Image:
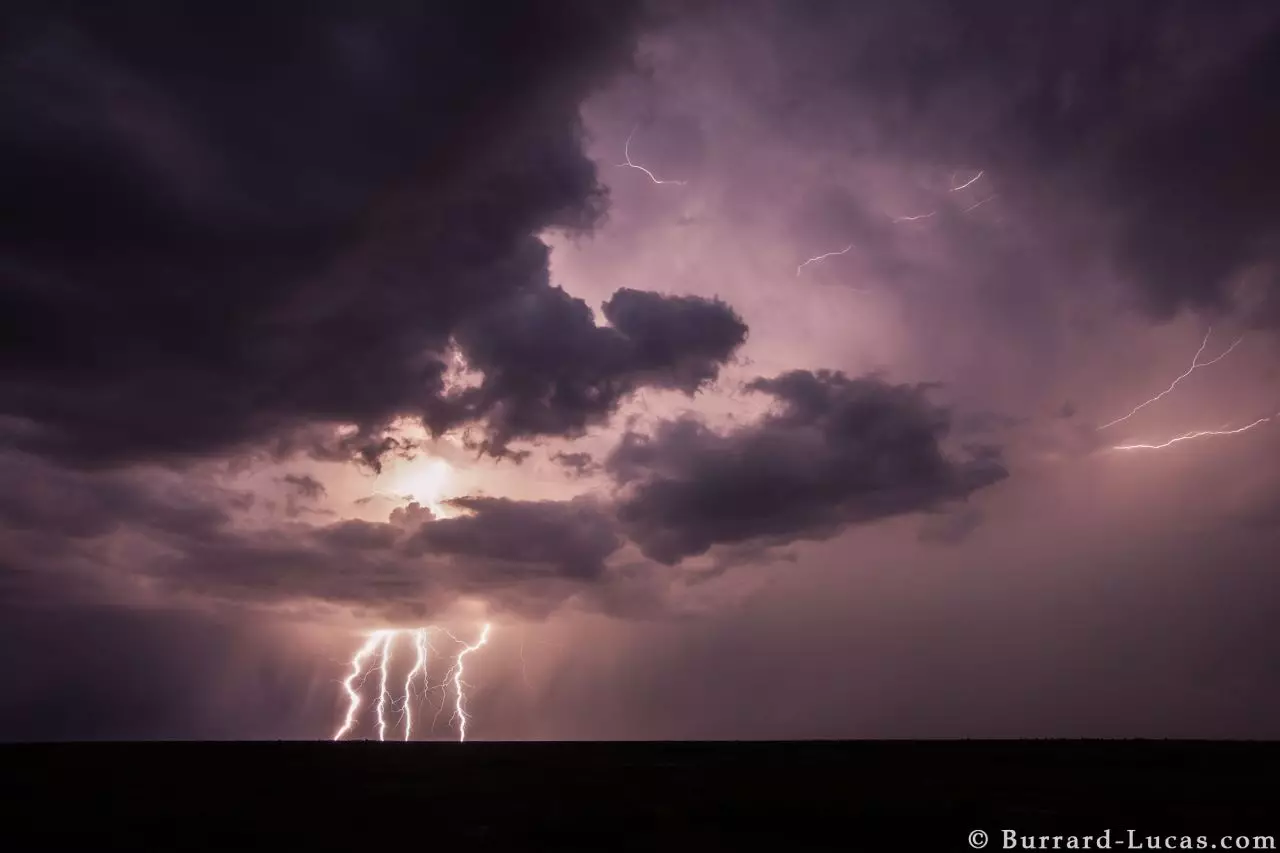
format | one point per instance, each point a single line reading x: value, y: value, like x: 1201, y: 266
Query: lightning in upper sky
x: 1195, y: 363
x: 1203, y: 433
x: 626, y: 150
x: 918, y: 216
x: 967, y: 183
x: 978, y: 204
x: 845, y: 250
x: 381, y: 642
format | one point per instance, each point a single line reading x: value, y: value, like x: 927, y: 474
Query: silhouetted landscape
x: 805, y: 795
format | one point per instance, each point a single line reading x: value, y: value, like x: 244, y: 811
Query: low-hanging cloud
x: 837, y: 452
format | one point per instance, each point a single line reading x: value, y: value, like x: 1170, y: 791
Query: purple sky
x: 312, y: 325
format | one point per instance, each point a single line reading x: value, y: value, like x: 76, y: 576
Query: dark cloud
x: 577, y: 464
x: 527, y: 557
x: 837, y: 451
x: 1155, y: 119
x: 67, y: 505
x: 230, y: 227
x: 570, y: 538
x: 73, y: 536
x: 305, y: 485
x: 549, y: 370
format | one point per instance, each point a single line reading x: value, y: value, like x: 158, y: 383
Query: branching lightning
x: 421, y: 644
x: 381, y: 642
x: 626, y: 150
x: 357, y: 667
x: 1193, y: 434
x: 1204, y: 433
x: 459, y: 702
x: 1195, y: 363
x: 843, y: 251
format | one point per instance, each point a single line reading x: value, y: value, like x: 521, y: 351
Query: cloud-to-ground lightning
x: 626, y: 150
x: 459, y: 706
x: 1195, y: 363
x: 421, y: 644
x: 967, y: 183
x: 382, y: 687
x: 357, y: 667
x: 1203, y: 433
x: 843, y: 251
x: 381, y: 642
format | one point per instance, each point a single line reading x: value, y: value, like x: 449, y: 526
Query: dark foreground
x: 639, y: 796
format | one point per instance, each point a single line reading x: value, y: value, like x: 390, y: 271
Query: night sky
x: 330, y: 317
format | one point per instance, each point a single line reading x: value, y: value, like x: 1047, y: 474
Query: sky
x: 754, y: 369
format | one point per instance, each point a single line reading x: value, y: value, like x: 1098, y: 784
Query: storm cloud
x: 285, y: 292
x: 1148, y: 123
x: 214, y: 242
x: 838, y: 451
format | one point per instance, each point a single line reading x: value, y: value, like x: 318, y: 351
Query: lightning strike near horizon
x: 421, y: 644
x: 1195, y: 363
x: 1204, y: 433
x: 626, y: 150
x: 967, y: 183
x: 382, y: 687
x: 357, y: 667
x: 459, y: 706
x: 843, y: 251
x: 381, y: 641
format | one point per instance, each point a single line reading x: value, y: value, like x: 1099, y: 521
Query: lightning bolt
x: 1204, y: 433
x: 978, y: 204
x: 381, y: 641
x: 967, y: 183
x: 421, y: 645
x: 626, y: 150
x: 357, y: 667
x: 382, y: 690
x: 843, y: 251
x: 915, y: 218
x: 1195, y: 363
x: 459, y: 706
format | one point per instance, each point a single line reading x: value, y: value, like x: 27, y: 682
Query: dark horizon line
x: 687, y: 743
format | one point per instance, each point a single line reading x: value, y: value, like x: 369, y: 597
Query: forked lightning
x: 626, y: 150
x: 1192, y: 434
x: 381, y: 642
x: 1195, y: 363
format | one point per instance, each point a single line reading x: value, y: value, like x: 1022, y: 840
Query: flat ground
x: 635, y: 796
